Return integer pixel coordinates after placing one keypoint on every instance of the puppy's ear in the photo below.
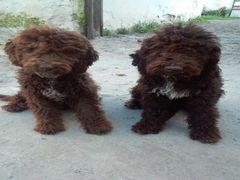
(91, 56)
(9, 49)
(215, 55)
(135, 59)
(139, 61)
(213, 58)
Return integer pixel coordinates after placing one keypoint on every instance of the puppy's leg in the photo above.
(156, 111)
(17, 103)
(47, 116)
(48, 120)
(92, 116)
(135, 101)
(202, 123)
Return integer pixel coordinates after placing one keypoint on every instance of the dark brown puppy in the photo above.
(52, 76)
(179, 70)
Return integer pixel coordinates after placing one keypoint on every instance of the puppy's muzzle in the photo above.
(52, 70)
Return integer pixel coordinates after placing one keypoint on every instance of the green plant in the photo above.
(20, 20)
(79, 15)
(140, 27)
(223, 12)
(198, 20)
(122, 30)
(143, 27)
(109, 33)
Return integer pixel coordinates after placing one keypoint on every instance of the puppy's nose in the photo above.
(46, 67)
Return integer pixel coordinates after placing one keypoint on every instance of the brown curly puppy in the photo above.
(52, 76)
(179, 70)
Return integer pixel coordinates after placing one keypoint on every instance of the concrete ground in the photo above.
(123, 155)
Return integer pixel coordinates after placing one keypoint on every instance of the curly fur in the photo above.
(179, 71)
(52, 76)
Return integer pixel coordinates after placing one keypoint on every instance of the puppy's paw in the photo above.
(100, 128)
(210, 136)
(142, 127)
(132, 104)
(6, 97)
(49, 128)
(14, 107)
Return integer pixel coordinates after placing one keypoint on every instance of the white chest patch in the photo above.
(168, 90)
(53, 94)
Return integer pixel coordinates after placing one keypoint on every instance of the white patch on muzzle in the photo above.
(53, 94)
(168, 90)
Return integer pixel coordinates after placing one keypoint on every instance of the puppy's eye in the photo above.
(28, 50)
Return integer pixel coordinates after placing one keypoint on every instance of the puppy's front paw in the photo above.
(49, 128)
(100, 128)
(132, 104)
(142, 127)
(14, 107)
(206, 136)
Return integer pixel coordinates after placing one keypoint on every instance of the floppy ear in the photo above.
(91, 55)
(9, 49)
(139, 61)
(213, 58)
(87, 57)
(215, 55)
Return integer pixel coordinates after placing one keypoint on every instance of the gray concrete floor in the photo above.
(123, 155)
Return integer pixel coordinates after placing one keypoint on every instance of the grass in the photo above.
(144, 27)
(140, 27)
(123, 30)
(206, 19)
(218, 14)
(19, 20)
(110, 33)
(25, 20)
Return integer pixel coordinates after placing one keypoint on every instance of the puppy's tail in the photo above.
(6, 97)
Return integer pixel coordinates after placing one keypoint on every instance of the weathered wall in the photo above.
(123, 13)
(117, 13)
(54, 12)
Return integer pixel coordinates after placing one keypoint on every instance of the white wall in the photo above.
(117, 13)
(56, 12)
(124, 13)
